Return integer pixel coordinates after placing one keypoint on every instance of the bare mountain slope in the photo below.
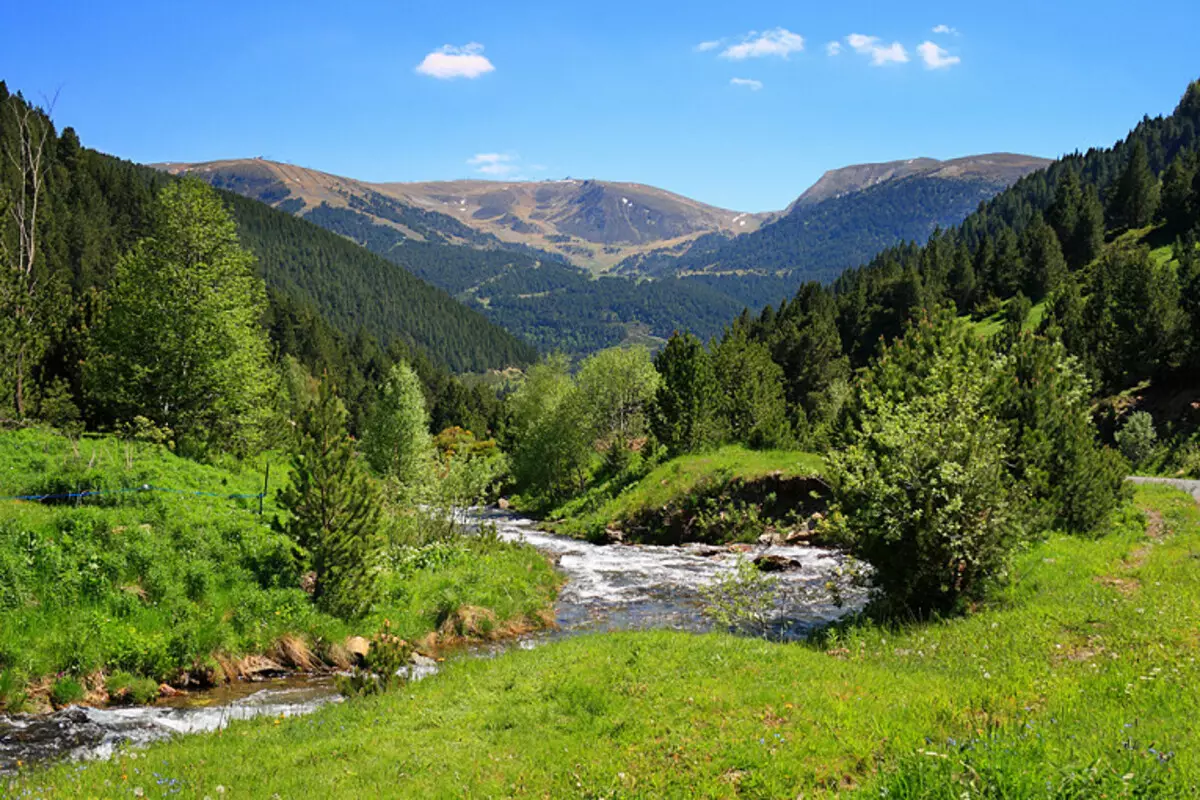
(593, 224)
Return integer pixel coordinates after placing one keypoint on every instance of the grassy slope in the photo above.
(675, 479)
(1078, 683)
(153, 582)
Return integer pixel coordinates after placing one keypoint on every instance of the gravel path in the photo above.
(1192, 487)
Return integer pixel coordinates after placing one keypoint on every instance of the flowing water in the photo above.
(608, 587)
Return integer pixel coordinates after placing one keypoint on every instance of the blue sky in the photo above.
(736, 104)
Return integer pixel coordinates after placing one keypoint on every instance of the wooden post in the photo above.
(266, 480)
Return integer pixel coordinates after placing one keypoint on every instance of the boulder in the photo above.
(773, 563)
(740, 548)
(357, 647)
(771, 538)
(503, 504)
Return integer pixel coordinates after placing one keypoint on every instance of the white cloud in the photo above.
(880, 53)
(450, 62)
(833, 48)
(749, 83)
(705, 46)
(936, 57)
(775, 42)
(946, 29)
(497, 164)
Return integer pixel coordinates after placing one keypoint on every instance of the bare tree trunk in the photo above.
(32, 133)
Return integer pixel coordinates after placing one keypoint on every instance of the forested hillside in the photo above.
(1102, 243)
(827, 230)
(331, 304)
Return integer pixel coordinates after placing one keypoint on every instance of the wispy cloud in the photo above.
(704, 47)
(778, 42)
(879, 53)
(945, 29)
(936, 57)
(833, 48)
(749, 83)
(450, 62)
(494, 164)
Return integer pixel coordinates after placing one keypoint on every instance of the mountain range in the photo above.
(563, 263)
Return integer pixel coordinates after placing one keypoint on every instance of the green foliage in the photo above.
(550, 434)
(1023, 695)
(124, 687)
(1135, 197)
(66, 691)
(1137, 438)
(397, 441)
(1132, 317)
(752, 402)
(179, 341)
(384, 669)
(684, 418)
(921, 491)
(743, 599)
(617, 387)
(333, 510)
(1069, 480)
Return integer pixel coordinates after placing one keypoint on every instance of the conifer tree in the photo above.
(1134, 200)
(333, 509)
(685, 409)
(1088, 242)
(1064, 215)
(1045, 266)
(1177, 208)
(752, 401)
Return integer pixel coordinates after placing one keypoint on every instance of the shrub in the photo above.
(123, 687)
(922, 491)
(384, 668)
(743, 600)
(66, 691)
(1137, 438)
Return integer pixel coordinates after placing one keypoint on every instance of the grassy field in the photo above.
(1079, 682)
(160, 583)
(672, 481)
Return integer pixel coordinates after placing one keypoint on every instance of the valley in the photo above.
(317, 486)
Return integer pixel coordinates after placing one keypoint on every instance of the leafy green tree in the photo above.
(551, 440)
(397, 441)
(921, 492)
(685, 417)
(333, 509)
(180, 342)
(1088, 242)
(617, 387)
(1135, 198)
(752, 401)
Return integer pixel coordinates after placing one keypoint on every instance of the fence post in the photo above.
(266, 480)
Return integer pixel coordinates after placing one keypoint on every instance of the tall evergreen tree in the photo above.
(1045, 267)
(752, 400)
(685, 410)
(333, 509)
(1178, 207)
(1088, 242)
(1064, 214)
(180, 342)
(1134, 200)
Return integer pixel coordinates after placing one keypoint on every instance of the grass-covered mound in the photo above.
(1078, 683)
(156, 584)
(720, 496)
